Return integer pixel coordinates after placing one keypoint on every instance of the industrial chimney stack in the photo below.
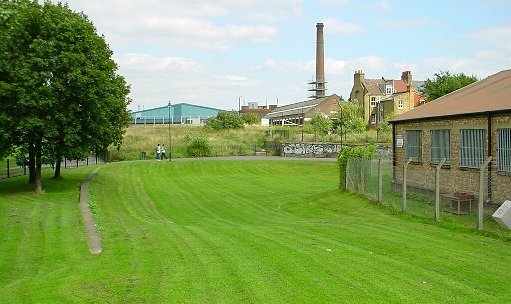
(318, 86)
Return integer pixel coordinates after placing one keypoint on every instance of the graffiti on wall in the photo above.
(311, 150)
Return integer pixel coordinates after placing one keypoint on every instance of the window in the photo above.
(388, 90)
(472, 147)
(414, 145)
(373, 102)
(440, 146)
(400, 104)
(504, 150)
(373, 118)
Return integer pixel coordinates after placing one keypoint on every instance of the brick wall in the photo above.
(454, 177)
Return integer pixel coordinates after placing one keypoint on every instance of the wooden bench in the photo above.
(458, 200)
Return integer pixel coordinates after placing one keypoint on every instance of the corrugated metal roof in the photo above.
(488, 95)
(298, 108)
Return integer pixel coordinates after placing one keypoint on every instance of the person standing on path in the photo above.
(163, 152)
(158, 151)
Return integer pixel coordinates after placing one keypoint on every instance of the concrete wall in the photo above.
(310, 149)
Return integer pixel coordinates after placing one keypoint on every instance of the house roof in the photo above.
(298, 108)
(488, 95)
(373, 86)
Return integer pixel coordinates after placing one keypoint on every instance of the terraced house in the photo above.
(381, 97)
(465, 127)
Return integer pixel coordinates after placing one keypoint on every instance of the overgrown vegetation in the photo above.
(198, 147)
(364, 152)
(225, 121)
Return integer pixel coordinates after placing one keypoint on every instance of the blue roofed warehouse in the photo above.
(181, 113)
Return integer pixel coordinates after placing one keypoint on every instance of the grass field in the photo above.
(234, 232)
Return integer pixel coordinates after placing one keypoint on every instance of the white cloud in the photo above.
(337, 27)
(493, 37)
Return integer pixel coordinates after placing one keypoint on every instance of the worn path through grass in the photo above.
(237, 232)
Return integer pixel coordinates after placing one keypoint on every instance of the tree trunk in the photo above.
(31, 164)
(57, 168)
(38, 167)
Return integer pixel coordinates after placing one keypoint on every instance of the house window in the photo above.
(414, 145)
(504, 150)
(388, 90)
(373, 118)
(373, 102)
(472, 147)
(440, 146)
(400, 104)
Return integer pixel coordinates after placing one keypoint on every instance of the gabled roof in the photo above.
(373, 86)
(298, 108)
(491, 94)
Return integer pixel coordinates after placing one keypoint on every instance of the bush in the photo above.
(251, 118)
(365, 152)
(198, 147)
(225, 120)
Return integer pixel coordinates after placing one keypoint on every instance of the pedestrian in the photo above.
(163, 152)
(158, 151)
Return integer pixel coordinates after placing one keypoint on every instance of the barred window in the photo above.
(440, 146)
(504, 150)
(414, 145)
(472, 147)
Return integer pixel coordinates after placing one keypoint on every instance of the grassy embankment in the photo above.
(224, 142)
(234, 232)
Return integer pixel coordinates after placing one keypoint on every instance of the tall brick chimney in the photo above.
(320, 61)
(406, 76)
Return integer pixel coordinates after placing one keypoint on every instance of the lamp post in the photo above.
(170, 134)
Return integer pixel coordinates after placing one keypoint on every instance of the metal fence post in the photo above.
(380, 181)
(403, 207)
(8, 173)
(437, 189)
(480, 209)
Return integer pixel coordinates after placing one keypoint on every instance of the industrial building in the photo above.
(297, 113)
(180, 113)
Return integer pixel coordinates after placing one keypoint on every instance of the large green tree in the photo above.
(444, 83)
(59, 86)
(350, 118)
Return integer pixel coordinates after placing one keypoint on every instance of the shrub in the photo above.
(225, 120)
(365, 152)
(251, 118)
(198, 147)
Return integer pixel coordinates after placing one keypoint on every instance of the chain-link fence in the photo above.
(459, 197)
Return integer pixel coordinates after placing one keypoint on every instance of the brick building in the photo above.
(465, 127)
(381, 97)
(254, 107)
(297, 113)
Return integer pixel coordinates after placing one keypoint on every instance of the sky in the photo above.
(218, 53)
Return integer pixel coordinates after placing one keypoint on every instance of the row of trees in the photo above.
(60, 94)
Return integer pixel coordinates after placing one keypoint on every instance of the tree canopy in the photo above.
(444, 83)
(320, 123)
(225, 120)
(60, 92)
(350, 117)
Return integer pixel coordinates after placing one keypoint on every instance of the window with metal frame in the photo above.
(414, 145)
(440, 146)
(472, 147)
(504, 150)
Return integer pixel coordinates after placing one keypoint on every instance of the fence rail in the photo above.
(443, 195)
(12, 167)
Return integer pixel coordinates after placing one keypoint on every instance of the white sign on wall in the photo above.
(400, 142)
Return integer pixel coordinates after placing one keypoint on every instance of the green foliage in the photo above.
(251, 118)
(320, 123)
(225, 120)
(61, 95)
(385, 126)
(347, 152)
(444, 83)
(198, 147)
(350, 118)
